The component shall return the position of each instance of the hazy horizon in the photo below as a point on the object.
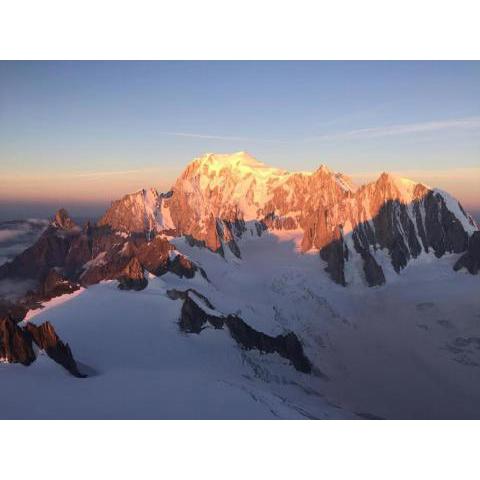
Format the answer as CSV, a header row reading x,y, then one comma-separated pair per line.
x,y
23,210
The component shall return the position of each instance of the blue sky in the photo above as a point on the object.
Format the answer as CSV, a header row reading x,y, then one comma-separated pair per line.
x,y
124,123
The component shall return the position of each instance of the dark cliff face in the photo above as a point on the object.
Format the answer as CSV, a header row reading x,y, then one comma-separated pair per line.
x,y
444,232
154,255
183,267
373,271
55,284
404,230
16,345
13,310
335,253
47,339
132,277
287,346
193,319
471,258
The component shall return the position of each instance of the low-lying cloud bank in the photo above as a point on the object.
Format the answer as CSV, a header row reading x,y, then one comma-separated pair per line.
x,y
17,235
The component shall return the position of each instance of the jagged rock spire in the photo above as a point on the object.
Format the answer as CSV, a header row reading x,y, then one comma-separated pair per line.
x,y
62,220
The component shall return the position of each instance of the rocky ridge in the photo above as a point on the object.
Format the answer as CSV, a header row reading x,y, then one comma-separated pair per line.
x,y
67,257
194,317
219,198
17,345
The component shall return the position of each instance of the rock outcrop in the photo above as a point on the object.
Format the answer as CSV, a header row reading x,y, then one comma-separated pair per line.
x,y
14,310
471,258
335,253
63,221
155,255
55,284
15,343
287,346
47,339
193,319
132,276
183,267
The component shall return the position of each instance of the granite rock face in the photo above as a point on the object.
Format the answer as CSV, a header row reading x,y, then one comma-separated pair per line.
x,y
47,339
335,253
15,344
13,310
55,284
287,346
194,318
155,255
63,221
471,258
132,277
183,267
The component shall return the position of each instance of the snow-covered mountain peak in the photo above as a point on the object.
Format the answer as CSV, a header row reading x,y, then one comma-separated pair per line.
x,y
217,194
323,169
391,186
397,180
143,210
227,185
237,165
63,221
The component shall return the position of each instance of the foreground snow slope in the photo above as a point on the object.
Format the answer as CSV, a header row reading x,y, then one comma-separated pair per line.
x,y
408,349
141,366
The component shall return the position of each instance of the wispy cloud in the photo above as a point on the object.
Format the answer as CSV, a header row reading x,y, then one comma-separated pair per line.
x,y
222,137
469,123
104,173
204,136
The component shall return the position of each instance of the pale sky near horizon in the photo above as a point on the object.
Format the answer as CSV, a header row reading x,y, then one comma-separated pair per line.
x,y
83,133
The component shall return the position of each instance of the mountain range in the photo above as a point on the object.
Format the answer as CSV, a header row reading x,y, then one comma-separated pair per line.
x,y
218,198
303,271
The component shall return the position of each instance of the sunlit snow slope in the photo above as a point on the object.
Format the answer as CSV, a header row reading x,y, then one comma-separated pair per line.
x,y
141,366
